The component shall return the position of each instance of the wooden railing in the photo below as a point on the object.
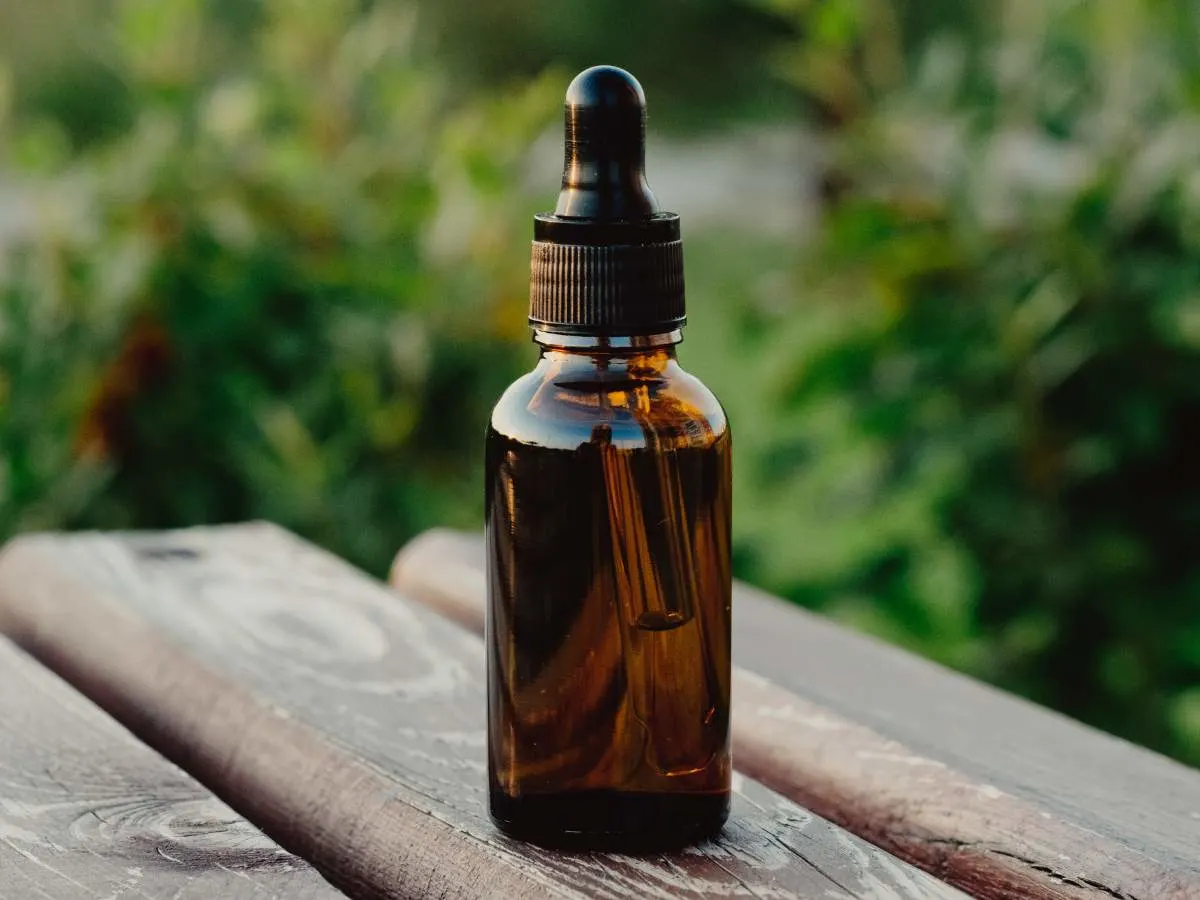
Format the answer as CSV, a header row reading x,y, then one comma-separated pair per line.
x,y
342,723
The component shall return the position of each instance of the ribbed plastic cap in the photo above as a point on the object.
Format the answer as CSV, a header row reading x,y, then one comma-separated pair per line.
x,y
606,261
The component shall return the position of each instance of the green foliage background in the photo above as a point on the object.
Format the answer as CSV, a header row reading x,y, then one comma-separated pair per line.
x,y
271,262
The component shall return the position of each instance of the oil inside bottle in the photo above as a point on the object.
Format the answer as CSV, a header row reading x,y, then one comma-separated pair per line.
x,y
610,624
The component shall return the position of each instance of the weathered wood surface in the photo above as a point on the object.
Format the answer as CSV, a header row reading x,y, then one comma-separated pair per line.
x,y
86,811
348,723
991,793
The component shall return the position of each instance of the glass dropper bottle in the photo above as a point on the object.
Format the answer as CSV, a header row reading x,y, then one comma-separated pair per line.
x,y
608,518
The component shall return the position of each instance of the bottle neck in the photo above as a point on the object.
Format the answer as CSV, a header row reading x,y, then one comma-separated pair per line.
x,y
554,342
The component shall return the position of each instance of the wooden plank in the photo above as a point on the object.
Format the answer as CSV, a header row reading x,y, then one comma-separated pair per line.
x,y
348,723
991,793
86,811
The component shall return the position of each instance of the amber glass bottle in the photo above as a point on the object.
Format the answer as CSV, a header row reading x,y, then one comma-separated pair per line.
x,y
608,512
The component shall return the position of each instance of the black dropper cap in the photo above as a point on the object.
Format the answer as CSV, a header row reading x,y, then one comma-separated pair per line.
x,y
606,261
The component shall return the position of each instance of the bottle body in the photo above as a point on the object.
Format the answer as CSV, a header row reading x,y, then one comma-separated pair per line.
x,y
608,634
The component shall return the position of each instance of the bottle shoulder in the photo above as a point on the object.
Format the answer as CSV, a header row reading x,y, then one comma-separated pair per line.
x,y
565,407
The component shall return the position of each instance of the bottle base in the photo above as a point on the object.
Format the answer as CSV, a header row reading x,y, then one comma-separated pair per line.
x,y
619,821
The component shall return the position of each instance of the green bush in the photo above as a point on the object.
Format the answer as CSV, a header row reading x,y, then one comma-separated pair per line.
x,y
979,414
253,302
284,276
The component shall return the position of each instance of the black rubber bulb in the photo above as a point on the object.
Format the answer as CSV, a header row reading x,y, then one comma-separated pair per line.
x,y
604,173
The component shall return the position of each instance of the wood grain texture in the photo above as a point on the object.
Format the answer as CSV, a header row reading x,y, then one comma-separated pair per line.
x,y
348,722
993,794
86,811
